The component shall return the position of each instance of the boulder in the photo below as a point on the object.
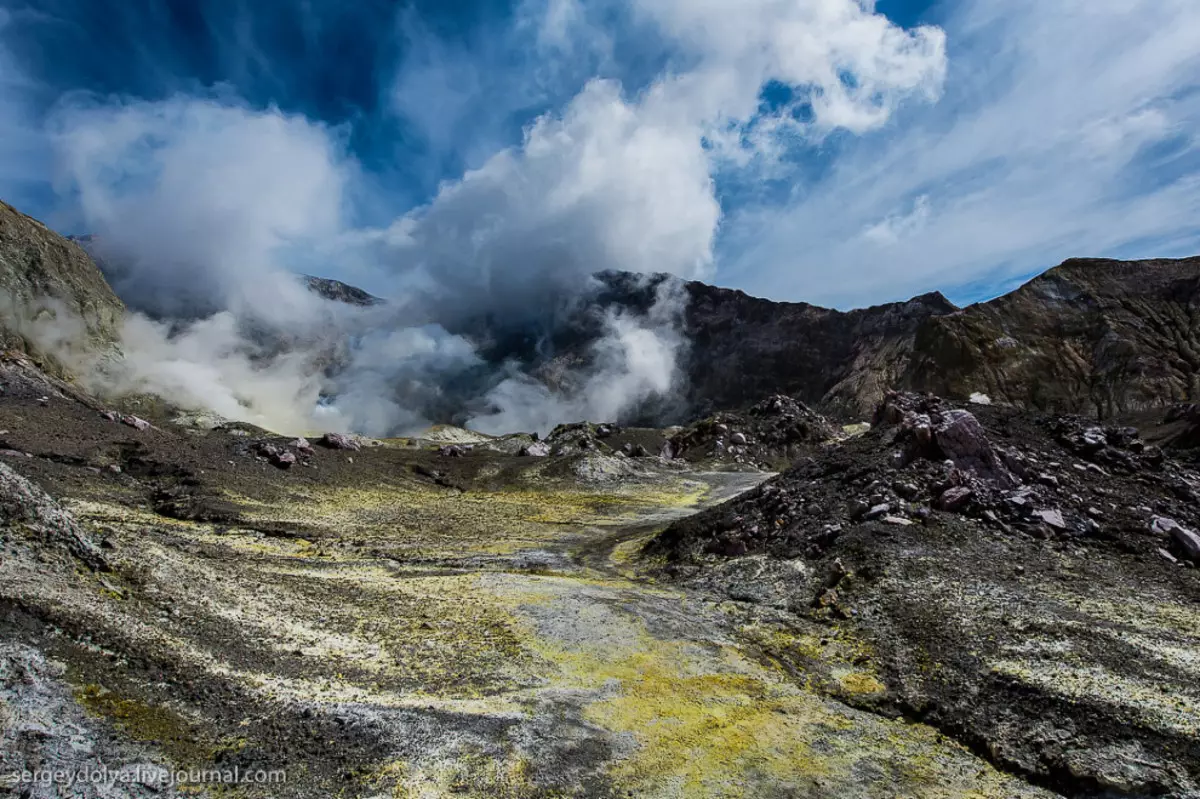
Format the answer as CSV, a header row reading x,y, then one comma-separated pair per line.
x,y
1052,518
955,498
539,449
962,439
1187,541
339,441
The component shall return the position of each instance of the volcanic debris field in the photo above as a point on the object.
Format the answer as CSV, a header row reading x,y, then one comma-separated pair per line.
x,y
958,601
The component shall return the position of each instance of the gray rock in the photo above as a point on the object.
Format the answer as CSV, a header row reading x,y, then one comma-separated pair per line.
x,y
539,449
339,441
878,511
1094,439
738,438
1048,480
962,439
1187,540
1051,517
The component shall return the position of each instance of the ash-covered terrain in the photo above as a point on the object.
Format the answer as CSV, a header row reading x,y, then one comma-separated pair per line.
x,y
779,567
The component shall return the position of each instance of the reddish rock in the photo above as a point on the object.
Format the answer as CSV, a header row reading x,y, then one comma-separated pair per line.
x,y
339,441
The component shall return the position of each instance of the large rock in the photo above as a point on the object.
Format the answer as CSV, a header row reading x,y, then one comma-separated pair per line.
x,y
1187,541
49,287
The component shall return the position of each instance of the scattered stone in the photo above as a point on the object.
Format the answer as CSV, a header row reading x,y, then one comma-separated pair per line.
x,y
1094,439
1053,518
1167,556
302,446
898,520
1048,480
878,511
455,451
980,399
135,422
739,439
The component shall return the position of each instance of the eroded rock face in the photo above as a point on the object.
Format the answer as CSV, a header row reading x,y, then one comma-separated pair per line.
x,y
49,284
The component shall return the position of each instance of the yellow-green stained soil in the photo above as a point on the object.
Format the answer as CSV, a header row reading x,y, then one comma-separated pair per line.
x,y
487,631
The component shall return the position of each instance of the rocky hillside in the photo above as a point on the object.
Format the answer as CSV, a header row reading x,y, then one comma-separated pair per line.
x,y
1025,583
742,349
48,285
1093,337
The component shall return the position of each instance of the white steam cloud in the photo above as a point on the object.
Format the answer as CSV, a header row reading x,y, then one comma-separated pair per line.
x,y
207,207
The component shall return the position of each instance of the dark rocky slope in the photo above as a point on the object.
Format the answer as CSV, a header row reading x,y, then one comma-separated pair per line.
x,y
1093,337
1025,583
742,348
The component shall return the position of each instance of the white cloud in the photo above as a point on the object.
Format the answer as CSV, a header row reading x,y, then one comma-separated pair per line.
x,y
196,197
1066,129
900,226
854,66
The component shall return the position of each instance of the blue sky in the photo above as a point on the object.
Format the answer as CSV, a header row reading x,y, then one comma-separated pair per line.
x,y
832,151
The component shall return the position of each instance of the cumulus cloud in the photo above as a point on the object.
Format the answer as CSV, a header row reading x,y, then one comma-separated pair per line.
x,y
1066,129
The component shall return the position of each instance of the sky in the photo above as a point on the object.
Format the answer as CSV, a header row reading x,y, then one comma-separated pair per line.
x,y
840,152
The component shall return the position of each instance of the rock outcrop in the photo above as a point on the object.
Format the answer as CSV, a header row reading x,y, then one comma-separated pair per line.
x,y
1091,337
53,298
338,291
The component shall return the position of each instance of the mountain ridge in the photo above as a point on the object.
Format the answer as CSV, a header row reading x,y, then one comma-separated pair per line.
x,y
1093,336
